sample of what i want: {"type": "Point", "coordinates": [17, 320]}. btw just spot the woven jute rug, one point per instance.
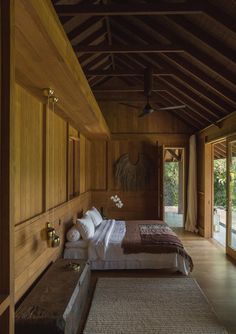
{"type": "Point", "coordinates": [151, 305]}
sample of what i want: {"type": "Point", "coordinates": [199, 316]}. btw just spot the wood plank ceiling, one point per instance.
{"type": "Point", "coordinates": [191, 46]}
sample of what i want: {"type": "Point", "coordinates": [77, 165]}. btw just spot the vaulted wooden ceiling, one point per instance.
{"type": "Point", "coordinates": [191, 46]}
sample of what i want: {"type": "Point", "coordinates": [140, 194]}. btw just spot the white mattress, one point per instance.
{"type": "Point", "coordinates": [105, 252]}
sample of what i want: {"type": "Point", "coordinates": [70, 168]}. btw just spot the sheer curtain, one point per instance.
{"type": "Point", "coordinates": [191, 217]}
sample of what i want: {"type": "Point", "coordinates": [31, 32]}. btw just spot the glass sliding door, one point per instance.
{"type": "Point", "coordinates": [231, 183]}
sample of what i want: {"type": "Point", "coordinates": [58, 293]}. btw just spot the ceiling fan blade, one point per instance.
{"type": "Point", "coordinates": [171, 107]}
{"type": "Point", "coordinates": [144, 113]}
{"type": "Point", "coordinates": [130, 105]}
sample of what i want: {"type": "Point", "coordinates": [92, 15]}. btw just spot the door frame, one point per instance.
{"type": "Point", "coordinates": [183, 148]}
{"type": "Point", "coordinates": [229, 250]}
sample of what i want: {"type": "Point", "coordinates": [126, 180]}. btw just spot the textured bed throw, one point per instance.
{"type": "Point", "coordinates": [150, 305]}
{"type": "Point", "coordinates": [154, 237]}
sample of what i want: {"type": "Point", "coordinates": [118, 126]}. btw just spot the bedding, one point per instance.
{"type": "Point", "coordinates": [86, 227]}
{"type": "Point", "coordinates": [105, 251]}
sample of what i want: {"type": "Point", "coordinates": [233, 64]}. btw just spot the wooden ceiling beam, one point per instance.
{"type": "Point", "coordinates": [191, 84]}
{"type": "Point", "coordinates": [127, 48]}
{"type": "Point", "coordinates": [185, 67]}
{"type": "Point", "coordinates": [205, 37]}
{"type": "Point", "coordinates": [101, 32]}
{"type": "Point", "coordinates": [82, 27]}
{"type": "Point", "coordinates": [186, 114]}
{"type": "Point", "coordinates": [94, 62]}
{"type": "Point", "coordinates": [192, 104]}
{"type": "Point", "coordinates": [193, 51]}
{"type": "Point", "coordinates": [129, 9]}
{"type": "Point", "coordinates": [189, 100]}
{"type": "Point", "coordinates": [109, 35]}
{"type": "Point", "coordinates": [218, 15]}
{"type": "Point", "coordinates": [126, 73]}
{"type": "Point", "coordinates": [195, 97]}
{"type": "Point", "coordinates": [188, 68]}
{"type": "Point", "coordinates": [123, 90]}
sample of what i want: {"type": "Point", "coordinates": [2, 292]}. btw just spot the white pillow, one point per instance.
{"type": "Point", "coordinates": [85, 227]}
{"type": "Point", "coordinates": [95, 216]}
{"type": "Point", "coordinates": [73, 234]}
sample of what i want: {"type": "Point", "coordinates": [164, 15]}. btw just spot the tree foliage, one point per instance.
{"type": "Point", "coordinates": [171, 181]}
{"type": "Point", "coordinates": [220, 182]}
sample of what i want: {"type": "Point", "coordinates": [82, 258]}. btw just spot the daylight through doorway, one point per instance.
{"type": "Point", "coordinates": [174, 186]}
{"type": "Point", "coordinates": [220, 193]}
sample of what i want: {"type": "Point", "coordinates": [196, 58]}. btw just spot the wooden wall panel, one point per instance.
{"type": "Point", "coordinates": [123, 119]}
{"type": "Point", "coordinates": [82, 164]}
{"type": "Point", "coordinates": [41, 159]}
{"type": "Point", "coordinates": [88, 166]}
{"type": "Point", "coordinates": [31, 248]}
{"type": "Point", "coordinates": [99, 160]}
{"type": "Point", "coordinates": [56, 157]}
{"type": "Point", "coordinates": [77, 167]}
{"type": "Point", "coordinates": [28, 155]}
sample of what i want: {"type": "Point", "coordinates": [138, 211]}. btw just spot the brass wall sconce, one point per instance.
{"type": "Point", "coordinates": [50, 94]}
{"type": "Point", "coordinates": [52, 237]}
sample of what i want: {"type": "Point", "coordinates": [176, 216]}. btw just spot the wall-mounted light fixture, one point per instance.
{"type": "Point", "coordinates": [50, 94]}
{"type": "Point", "coordinates": [52, 237]}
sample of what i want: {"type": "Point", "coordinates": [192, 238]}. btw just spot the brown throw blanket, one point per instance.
{"type": "Point", "coordinates": [153, 237]}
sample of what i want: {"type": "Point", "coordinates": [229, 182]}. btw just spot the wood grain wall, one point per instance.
{"type": "Point", "coordinates": [41, 163]}
{"type": "Point", "coordinates": [132, 135]}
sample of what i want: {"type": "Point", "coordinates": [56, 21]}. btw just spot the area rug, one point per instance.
{"type": "Point", "coordinates": [150, 305]}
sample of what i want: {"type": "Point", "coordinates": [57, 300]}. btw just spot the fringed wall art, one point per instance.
{"type": "Point", "coordinates": [134, 176]}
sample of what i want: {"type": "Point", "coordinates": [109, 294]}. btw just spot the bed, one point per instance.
{"type": "Point", "coordinates": [116, 245]}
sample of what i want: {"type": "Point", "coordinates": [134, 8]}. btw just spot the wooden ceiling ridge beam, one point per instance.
{"type": "Point", "coordinates": [122, 48]}
{"type": "Point", "coordinates": [205, 37]}
{"type": "Point", "coordinates": [191, 49]}
{"type": "Point", "coordinates": [187, 8]}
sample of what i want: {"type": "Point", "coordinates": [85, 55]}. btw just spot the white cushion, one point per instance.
{"type": "Point", "coordinates": [73, 234]}
{"type": "Point", "coordinates": [85, 227]}
{"type": "Point", "coordinates": [95, 216]}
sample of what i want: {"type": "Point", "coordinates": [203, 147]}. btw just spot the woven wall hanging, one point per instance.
{"type": "Point", "coordinates": [134, 176]}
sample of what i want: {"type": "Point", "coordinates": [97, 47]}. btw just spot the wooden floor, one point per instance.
{"type": "Point", "coordinates": [214, 272]}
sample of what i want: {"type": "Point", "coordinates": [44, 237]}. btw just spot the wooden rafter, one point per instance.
{"type": "Point", "coordinates": [192, 104]}
{"type": "Point", "coordinates": [186, 70]}
{"type": "Point", "coordinates": [82, 27]}
{"type": "Point", "coordinates": [97, 34]}
{"type": "Point", "coordinates": [204, 37]}
{"type": "Point", "coordinates": [126, 73]}
{"type": "Point", "coordinates": [109, 35]}
{"type": "Point", "coordinates": [138, 9]}
{"type": "Point", "coordinates": [192, 85]}
{"type": "Point", "coordinates": [191, 49]}
{"type": "Point", "coordinates": [128, 48]}
{"type": "Point", "coordinates": [218, 15]}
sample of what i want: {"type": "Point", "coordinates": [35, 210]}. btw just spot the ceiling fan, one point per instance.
{"type": "Point", "coordinates": [148, 109]}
